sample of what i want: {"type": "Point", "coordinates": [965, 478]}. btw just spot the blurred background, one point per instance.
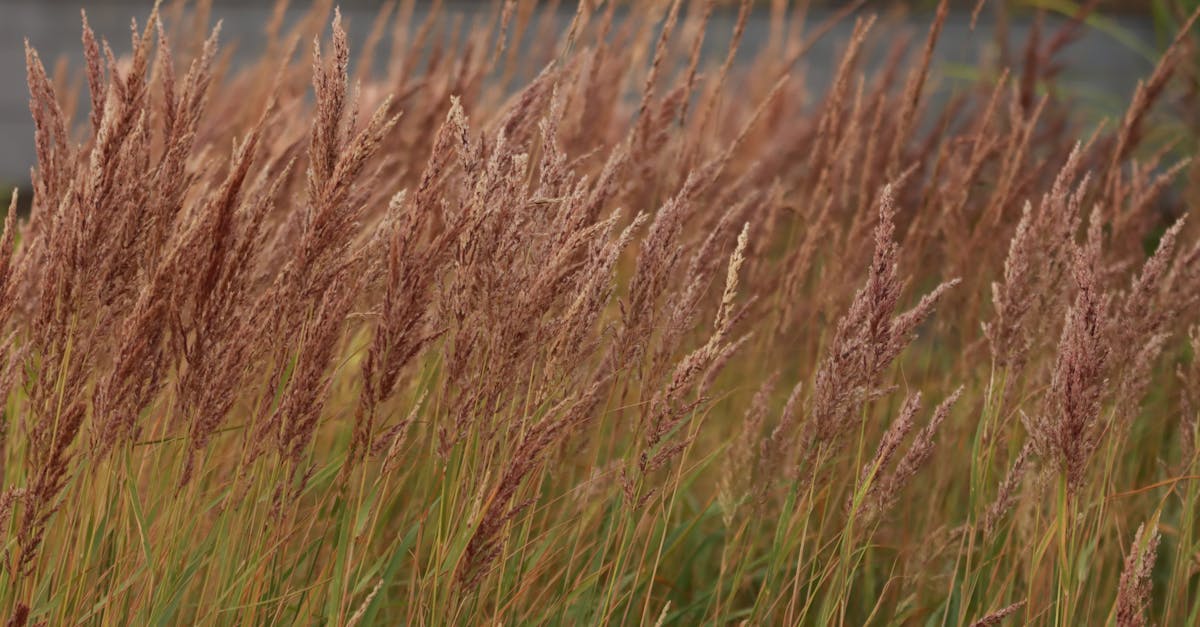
{"type": "Point", "coordinates": [1101, 68]}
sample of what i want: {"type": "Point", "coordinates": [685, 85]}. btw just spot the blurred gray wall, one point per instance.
{"type": "Point", "coordinates": [1101, 73]}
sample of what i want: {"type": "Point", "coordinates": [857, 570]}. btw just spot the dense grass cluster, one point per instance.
{"type": "Point", "coordinates": [529, 325]}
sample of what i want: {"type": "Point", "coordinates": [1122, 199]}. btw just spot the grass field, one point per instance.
{"type": "Point", "coordinates": [529, 326]}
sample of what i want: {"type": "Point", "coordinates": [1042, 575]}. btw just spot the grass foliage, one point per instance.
{"type": "Point", "coordinates": [530, 325]}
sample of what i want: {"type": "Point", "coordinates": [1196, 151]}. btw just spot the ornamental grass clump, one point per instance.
{"type": "Point", "coordinates": [518, 322]}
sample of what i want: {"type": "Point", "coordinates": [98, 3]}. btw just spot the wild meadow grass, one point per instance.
{"type": "Point", "coordinates": [529, 325]}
